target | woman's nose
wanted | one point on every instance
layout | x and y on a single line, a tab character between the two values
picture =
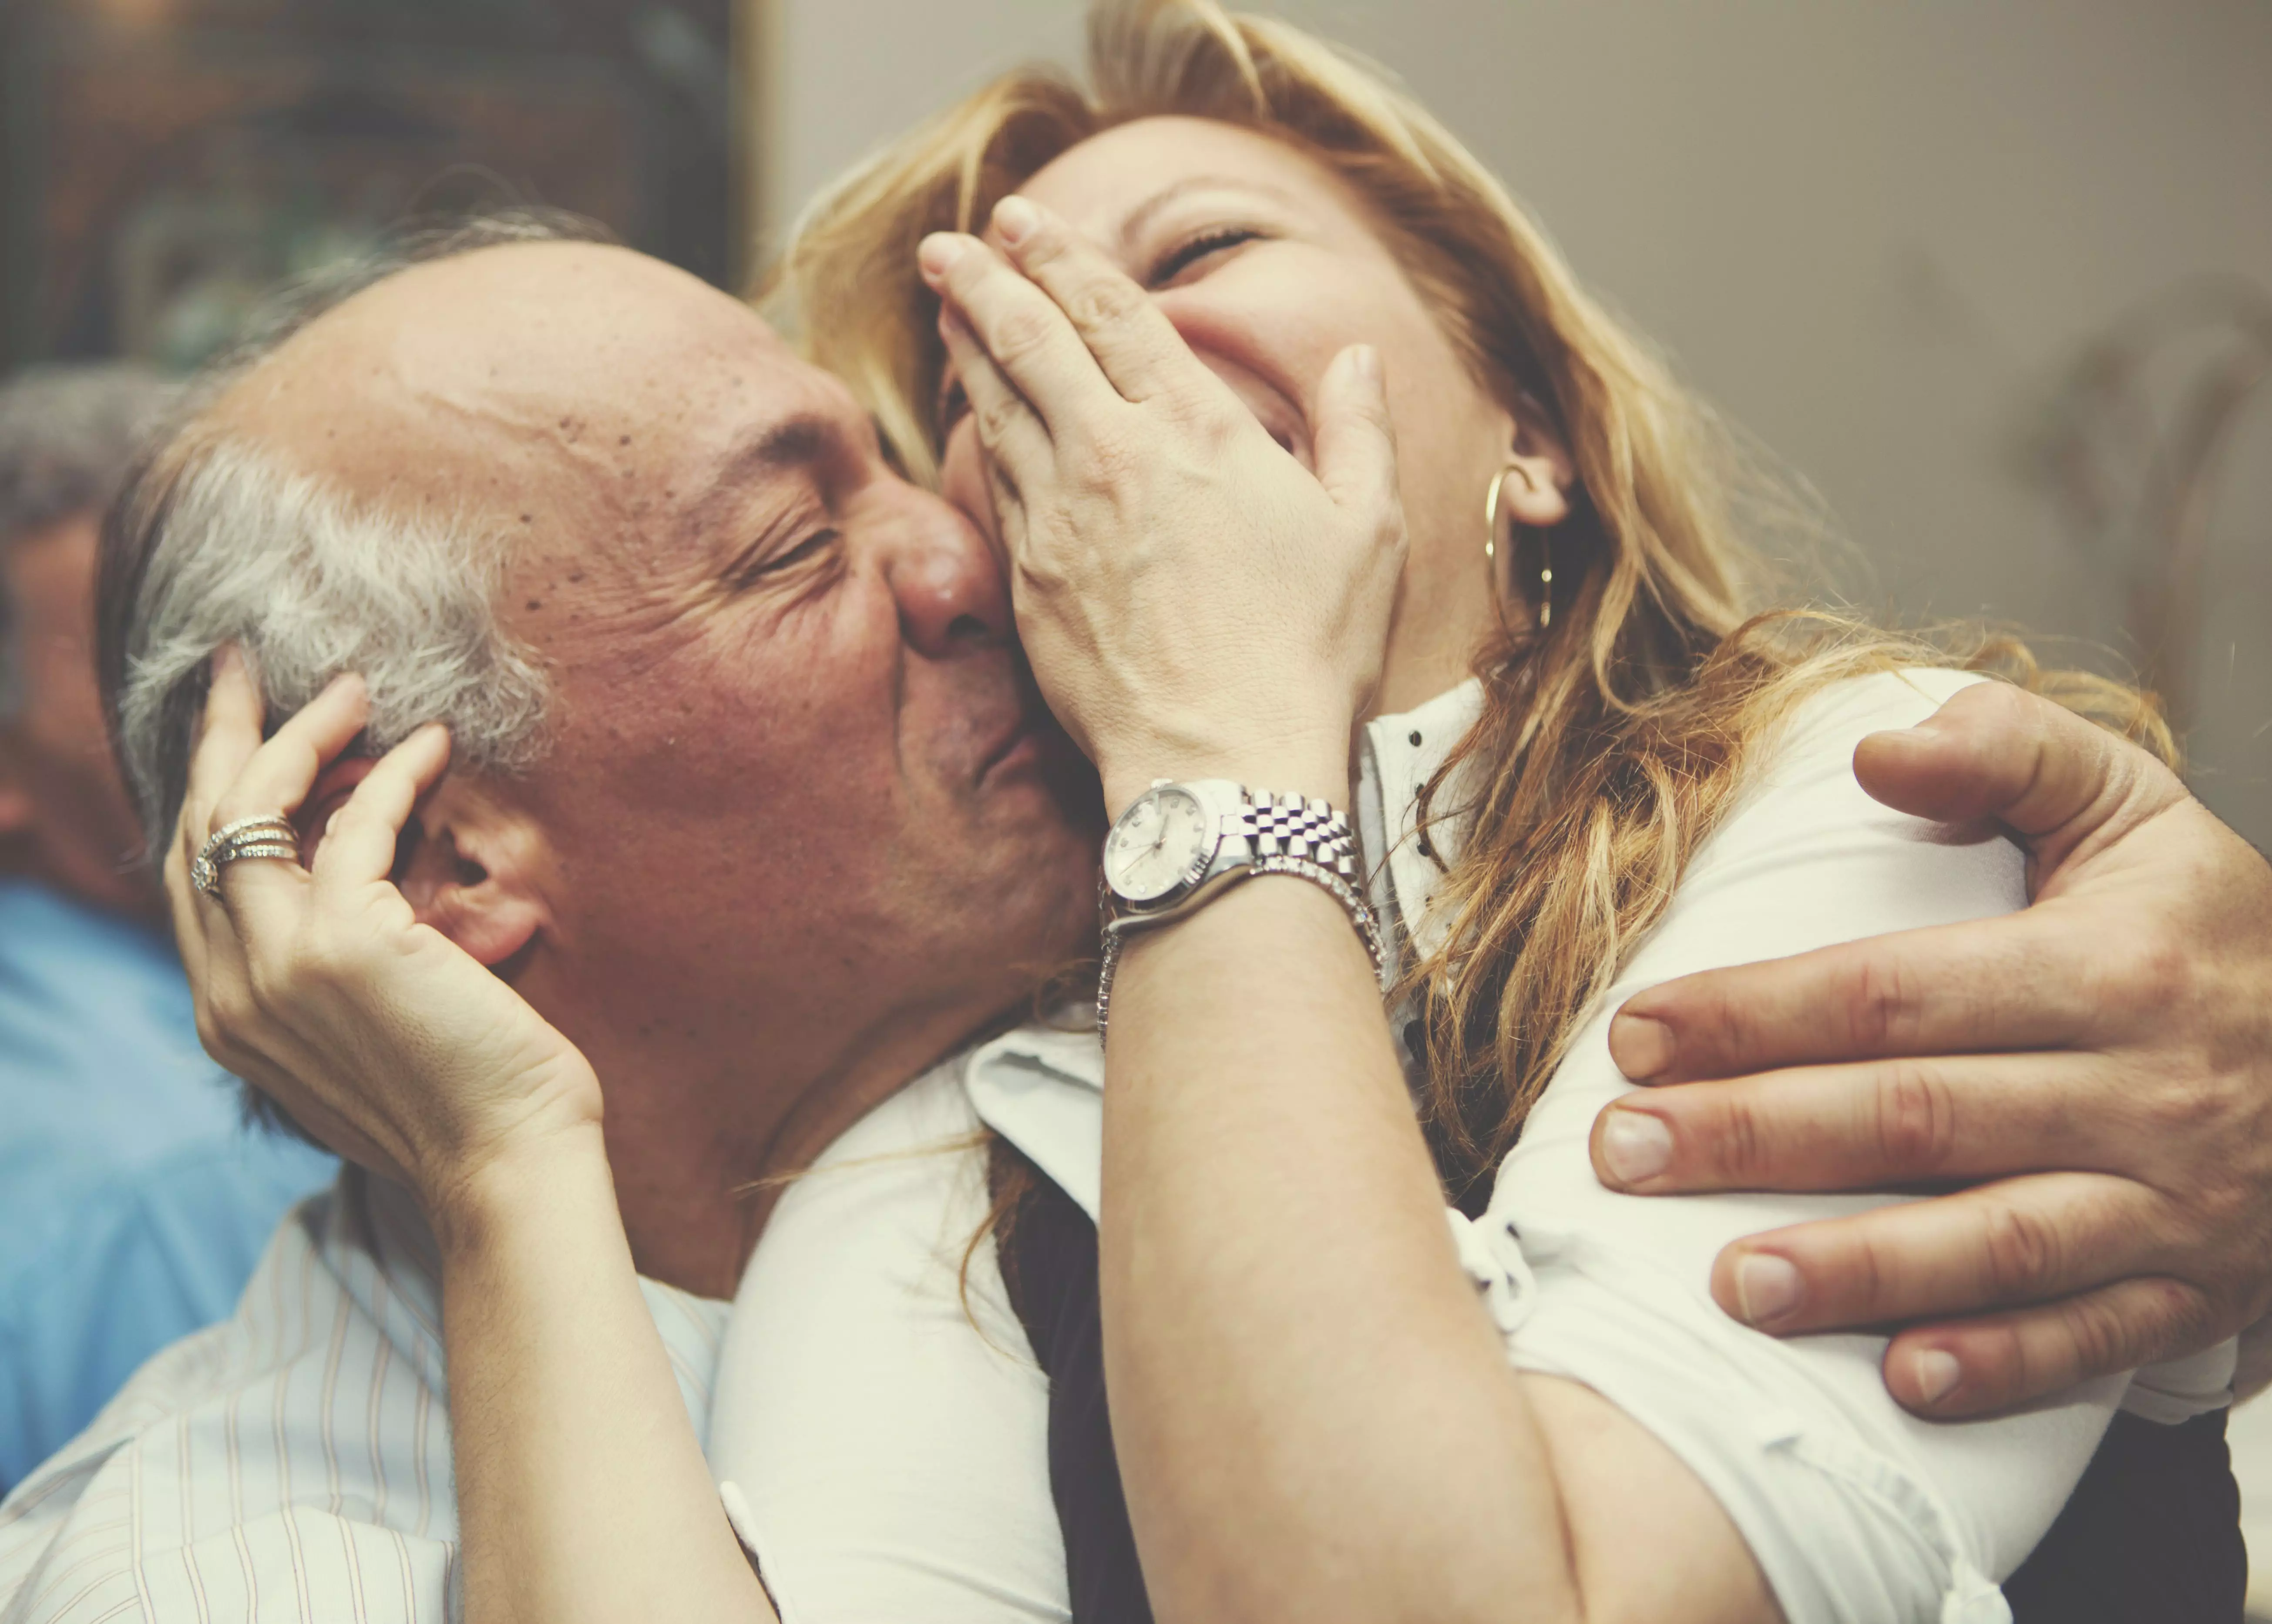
949	587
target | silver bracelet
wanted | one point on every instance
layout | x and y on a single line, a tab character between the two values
1352	901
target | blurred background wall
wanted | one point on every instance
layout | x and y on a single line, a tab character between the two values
1892	240
164	161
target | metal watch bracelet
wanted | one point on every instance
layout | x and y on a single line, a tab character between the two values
1117	930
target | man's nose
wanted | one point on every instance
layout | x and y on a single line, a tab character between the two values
949	587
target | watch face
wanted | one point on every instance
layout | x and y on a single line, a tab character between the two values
1160	842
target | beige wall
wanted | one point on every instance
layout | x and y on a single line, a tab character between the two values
1872	232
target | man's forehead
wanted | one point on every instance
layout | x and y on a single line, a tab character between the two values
565	357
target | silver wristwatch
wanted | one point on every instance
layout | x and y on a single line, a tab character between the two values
1180	845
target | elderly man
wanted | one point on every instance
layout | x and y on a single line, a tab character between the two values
753	802
750	802
134	1197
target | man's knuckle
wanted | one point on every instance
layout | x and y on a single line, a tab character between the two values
1880	1008
1997	1362
1739	1142
2100	1334
2188	1318
2024	1250
1916	1119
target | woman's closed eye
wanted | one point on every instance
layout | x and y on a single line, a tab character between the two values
1177	260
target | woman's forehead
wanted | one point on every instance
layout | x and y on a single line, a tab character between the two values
1113	180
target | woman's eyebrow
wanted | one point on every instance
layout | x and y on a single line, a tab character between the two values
1133	223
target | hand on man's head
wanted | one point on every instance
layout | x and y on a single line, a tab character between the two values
2096	1070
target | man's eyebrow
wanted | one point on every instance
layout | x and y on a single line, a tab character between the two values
1132	226
801	442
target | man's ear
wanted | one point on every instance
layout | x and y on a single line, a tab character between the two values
1543	472
471	863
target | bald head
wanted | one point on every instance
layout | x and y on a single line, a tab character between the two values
557	374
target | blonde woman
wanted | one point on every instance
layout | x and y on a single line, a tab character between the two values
1246	367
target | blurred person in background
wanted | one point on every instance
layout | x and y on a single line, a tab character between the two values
134	1198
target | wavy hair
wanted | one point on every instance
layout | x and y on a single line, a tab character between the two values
1610	743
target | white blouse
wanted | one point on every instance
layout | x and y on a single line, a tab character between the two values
886	1453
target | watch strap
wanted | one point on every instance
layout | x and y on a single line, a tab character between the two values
1336	882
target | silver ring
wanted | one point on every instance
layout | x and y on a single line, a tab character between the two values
270	835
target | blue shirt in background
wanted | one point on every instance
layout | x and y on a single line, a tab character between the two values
134	1199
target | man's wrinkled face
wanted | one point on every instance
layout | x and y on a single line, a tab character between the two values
792	755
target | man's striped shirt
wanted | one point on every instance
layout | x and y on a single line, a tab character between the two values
292	1463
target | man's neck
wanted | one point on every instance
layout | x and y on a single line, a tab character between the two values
701	1155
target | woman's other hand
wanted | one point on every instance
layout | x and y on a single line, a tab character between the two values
321	986
2103	1060
1195	602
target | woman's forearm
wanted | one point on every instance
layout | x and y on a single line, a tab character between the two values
1314	1418
582	1491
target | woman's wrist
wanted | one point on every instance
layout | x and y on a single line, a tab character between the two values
516	1183
1316	766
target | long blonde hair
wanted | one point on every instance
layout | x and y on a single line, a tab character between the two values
1610	743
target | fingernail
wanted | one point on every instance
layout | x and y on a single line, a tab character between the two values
1642	1047
1015	219
1937	1373
226	659
939	252
1767	1288
1636	1145
1366	362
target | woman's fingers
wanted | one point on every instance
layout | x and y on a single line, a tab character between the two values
1136	347
228	735
1998	1362
1012	436
277	779
1355	437
359	847
2016	1241
1030	338
261	893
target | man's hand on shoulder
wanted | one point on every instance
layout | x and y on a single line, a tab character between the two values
2094	1073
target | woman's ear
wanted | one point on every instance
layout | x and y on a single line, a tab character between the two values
470	863
1541	470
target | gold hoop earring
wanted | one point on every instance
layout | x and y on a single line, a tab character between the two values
1545	546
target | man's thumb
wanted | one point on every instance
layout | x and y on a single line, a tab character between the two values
1995	752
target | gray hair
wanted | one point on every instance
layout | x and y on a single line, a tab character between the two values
210	543
67	436
310	586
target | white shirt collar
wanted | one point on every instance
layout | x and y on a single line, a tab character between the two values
1042	1087
1395	759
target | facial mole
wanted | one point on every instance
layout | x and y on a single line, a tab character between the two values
535	603
624	440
